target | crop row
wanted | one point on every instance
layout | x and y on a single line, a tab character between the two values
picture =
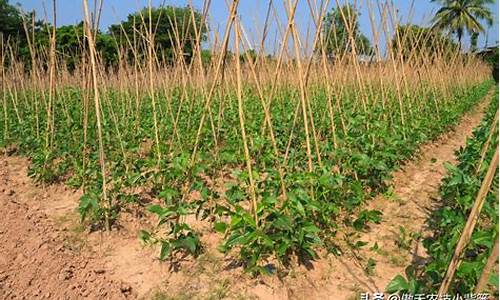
296	205
457	193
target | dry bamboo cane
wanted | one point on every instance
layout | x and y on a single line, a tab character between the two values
265	29
90	39
395	24
116	125
376	37
488	141
151	88
179	63
52	62
303	97
242	124
137	68
186	69
326	74
469	226
85	94
303	82
426	62
13	94
349	24
4	94
337	79
395	71
317	21
278	68
267	115
208	99
31	40
488	267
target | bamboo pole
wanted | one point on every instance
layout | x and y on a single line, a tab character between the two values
394	68
469	226
50	124
150	36
486	145
267	115
488	267
241	115
4	93
218	69
92	54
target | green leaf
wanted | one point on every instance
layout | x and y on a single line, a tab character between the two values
220	227
144	236
397	284
360	244
134	178
168	194
493	280
282	248
311	229
300	208
87	203
156	209
235	220
189	243
283	223
165	250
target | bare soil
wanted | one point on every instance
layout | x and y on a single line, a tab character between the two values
37	257
46	253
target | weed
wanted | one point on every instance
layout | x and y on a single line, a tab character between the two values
370	267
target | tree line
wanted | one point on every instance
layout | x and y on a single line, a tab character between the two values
175	33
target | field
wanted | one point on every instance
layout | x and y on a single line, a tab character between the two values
252	168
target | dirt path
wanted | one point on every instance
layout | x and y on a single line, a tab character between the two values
45	253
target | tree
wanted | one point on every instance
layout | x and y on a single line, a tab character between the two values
70	39
171	25
12	29
337	25
461	16
473	41
421	41
11	22
250	53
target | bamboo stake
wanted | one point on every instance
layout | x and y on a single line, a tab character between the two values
469	226
231	17
49	128
90	39
395	70
488	267
4	94
242	124
33	72
303	98
151	88
486	145
267	115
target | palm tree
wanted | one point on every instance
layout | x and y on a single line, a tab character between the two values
460	16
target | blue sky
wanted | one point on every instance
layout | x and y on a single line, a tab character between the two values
252	13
